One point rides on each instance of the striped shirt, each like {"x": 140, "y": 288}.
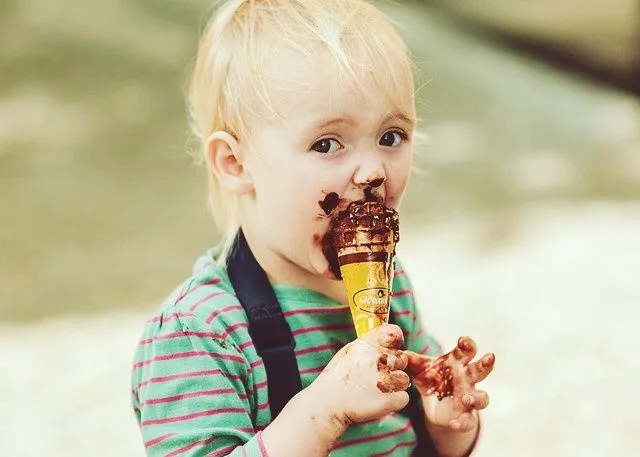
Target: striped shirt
{"x": 200, "y": 388}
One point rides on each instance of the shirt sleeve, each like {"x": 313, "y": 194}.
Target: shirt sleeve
{"x": 194, "y": 393}
{"x": 409, "y": 318}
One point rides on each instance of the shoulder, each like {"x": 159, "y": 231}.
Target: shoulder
{"x": 205, "y": 305}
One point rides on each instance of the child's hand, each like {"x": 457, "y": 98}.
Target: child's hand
{"x": 365, "y": 379}
{"x": 452, "y": 378}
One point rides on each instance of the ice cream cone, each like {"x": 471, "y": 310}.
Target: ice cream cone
{"x": 365, "y": 243}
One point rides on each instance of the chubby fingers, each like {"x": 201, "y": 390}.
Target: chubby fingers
{"x": 392, "y": 359}
{"x": 388, "y": 336}
{"x": 417, "y": 363}
{"x": 394, "y": 381}
{"x": 465, "y": 350}
{"x": 479, "y": 370}
{"x": 475, "y": 399}
{"x": 464, "y": 423}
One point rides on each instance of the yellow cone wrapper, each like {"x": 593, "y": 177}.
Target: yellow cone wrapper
{"x": 365, "y": 244}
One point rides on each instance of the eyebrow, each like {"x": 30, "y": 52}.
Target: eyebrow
{"x": 399, "y": 116}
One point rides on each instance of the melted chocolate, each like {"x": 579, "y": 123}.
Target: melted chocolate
{"x": 329, "y": 203}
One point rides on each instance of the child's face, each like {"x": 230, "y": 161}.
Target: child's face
{"x": 328, "y": 139}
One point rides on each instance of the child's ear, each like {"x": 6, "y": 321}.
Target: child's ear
{"x": 223, "y": 152}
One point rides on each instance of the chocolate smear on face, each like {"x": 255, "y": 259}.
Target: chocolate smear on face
{"x": 329, "y": 203}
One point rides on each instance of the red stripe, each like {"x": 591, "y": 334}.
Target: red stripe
{"x": 400, "y": 293}
{"x": 224, "y": 451}
{"x": 217, "y": 312}
{"x": 323, "y": 328}
{"x": 185, "y": 417}
{"x": 193, "y": 307}
{"x": 187, "y": 355}
{"x": 191, "y": 374}
{"x": 425, "y": 349}
{"x": 366, "y": 439}
{"x": 263, "y": 450}
{"x": 336, "y": 309}
{"x": 200, "y": 393}
{"x": 181, "y": 334}
{"x": 400, "y": 273}
{"x": 158, "y": 439}
{"x": 169, "y": 317}
{"x": 245, "y": 345}
{"x": 320, "y": 348}
{"x": 186, "y": 290}
{"x": 312, "y": 370}
{"x": 397, "y": 446}
{"x": 233, "y": 328}
{"x": 262, "y": 406}
{"x": 184, "y": 449}
{"x": 402, "y": 313}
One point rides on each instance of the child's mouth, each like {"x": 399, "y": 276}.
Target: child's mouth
{"x": 329, "y": 204}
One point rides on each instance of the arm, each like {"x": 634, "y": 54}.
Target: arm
{"x": 449, "y": 441}
{"x": 194, "y": 393}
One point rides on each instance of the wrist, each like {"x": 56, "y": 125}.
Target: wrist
{"x": 317, "y": 427}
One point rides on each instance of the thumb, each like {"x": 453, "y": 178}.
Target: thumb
{"x": 388, "y": 336}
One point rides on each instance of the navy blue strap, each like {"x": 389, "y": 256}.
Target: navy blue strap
{"x": 269, "y": 330}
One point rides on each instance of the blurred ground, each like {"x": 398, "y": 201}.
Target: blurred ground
{"x": 523, "y": 230}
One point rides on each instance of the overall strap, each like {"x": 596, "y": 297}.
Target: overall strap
{"x": 268, "y": 327}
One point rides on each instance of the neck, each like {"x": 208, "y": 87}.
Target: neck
{"x": 281, "y": 270}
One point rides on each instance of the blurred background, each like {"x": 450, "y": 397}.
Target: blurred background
{"x": 521, "y": 228}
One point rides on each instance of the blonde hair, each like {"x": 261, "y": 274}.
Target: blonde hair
{"x": 230, "y": 79}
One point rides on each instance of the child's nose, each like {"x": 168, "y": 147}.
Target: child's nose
{"x": 370, "y": 171}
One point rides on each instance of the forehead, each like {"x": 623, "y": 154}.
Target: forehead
{"x": 296, "y": 82}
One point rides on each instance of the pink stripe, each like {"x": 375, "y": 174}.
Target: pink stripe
{"x": 420, "y": 332}
{"x": 425, "y": 349}
{"x": 158, "y": 439}
{"x": 187, "y": 375}
{"x": 323, "y": 328}
{"x": 200, "y": 393}
{"x": 263, "y": 450}
{"x": 337, "y": 309}
{"x": 366, "y": 439}
{"x": 224, "y": 451}
{"x": 393, "y": 449}
{"x": 169, "y": 317}
{"x": 312, "y": 370}
{"x": 186, "y": 334}
{"x": 262, "y": 406}
{"x": 185, "y": 417}
{"x": 233, "y": 328}
{"x": 188, "y": 355}
{"x": 320, "y": 348}
{"x": 182, "y": 450}
{"x": 217, "y": 312}
{"x": 193, "y": 307}
{"x": 400, "y": 273}
{"x": 402, "y": 313}
{"x": 185, "y": 291}
{"x": 400, "y": 293}
{"x": 244, "y": 451}
{"x": 245, "y": 345}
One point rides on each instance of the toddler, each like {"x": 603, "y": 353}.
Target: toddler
{"x": 294, "y": 101}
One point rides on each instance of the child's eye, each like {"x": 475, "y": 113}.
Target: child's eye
{"x": 326, "y": 146}
{"x": 392, "y": 139}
